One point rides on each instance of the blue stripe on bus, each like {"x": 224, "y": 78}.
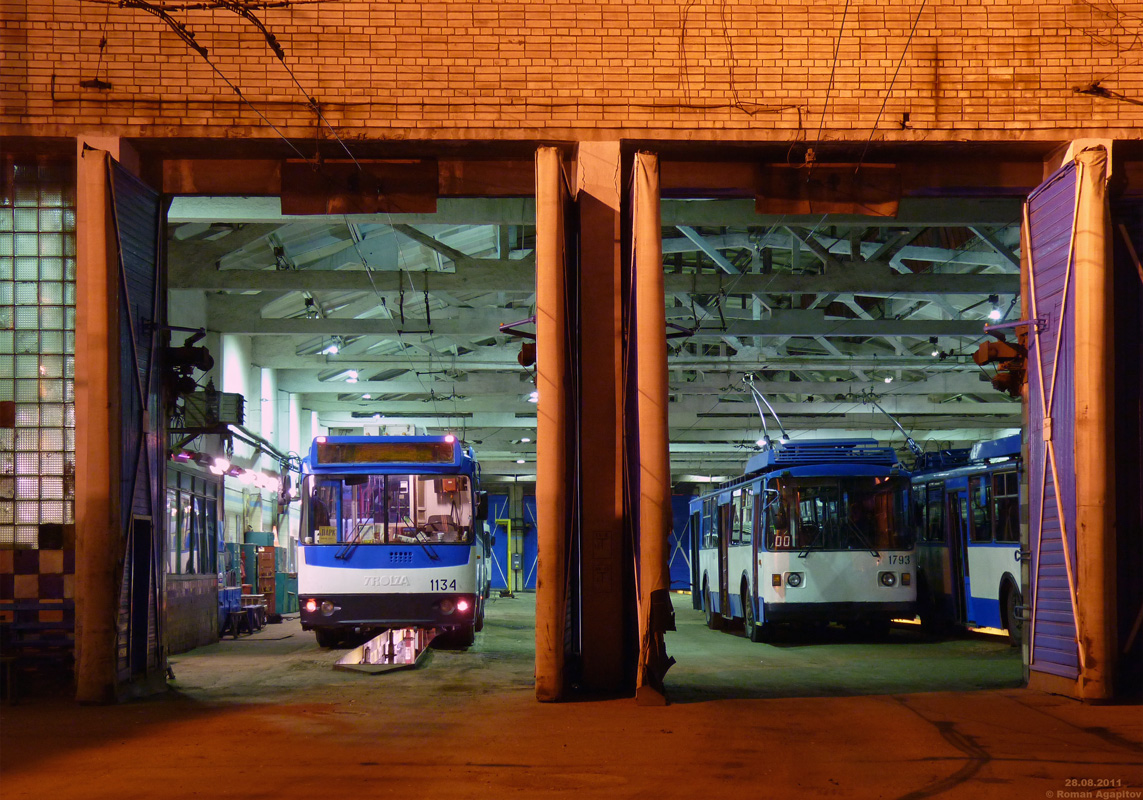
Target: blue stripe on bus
{"x": 985, "y": 612}
{"x": 372, "y": 556}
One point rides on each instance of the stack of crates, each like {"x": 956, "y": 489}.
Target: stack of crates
{"x": 267, "y": 574}
{"x": 229, "y": 602}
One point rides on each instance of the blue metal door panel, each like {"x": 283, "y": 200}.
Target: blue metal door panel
{"x": 679, "y": 547}
{"x": 1051, "y": 210}
{"x": 498, "y": 509}
{"x": 528, "y": 548}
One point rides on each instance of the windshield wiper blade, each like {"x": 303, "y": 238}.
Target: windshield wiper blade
{"x": 863, "y": 539}
{"x": 430, "y": 552}
{"x": 350, "y": 544}
{"x": 814, "y": 541}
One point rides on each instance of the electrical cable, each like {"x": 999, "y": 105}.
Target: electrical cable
{"x": 832, "y": 71}
{"x": 889, "y": 91}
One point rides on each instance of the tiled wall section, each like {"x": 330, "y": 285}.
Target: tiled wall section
{"x": 192, "y": 611}
{"x": 45, "y": 576}
{"x": 482, "y": 69}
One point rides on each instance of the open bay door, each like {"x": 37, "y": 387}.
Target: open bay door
{"x": 1070, "y": 430}
{"x": 119, "y": 425}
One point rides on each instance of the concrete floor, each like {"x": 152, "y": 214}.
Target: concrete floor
{"x": 267, "y": 716}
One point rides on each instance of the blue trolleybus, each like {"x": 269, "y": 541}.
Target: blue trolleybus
{"x": 393, "y": 536}
{"x": 814, "y": 532}
{"x": 966, "y": 508}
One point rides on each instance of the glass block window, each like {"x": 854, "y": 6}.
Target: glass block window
{"x": 37, "y": 348}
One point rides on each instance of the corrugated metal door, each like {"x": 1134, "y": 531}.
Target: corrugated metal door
{"x": 137, "y": 225}
{"x": 1050, "y": 219}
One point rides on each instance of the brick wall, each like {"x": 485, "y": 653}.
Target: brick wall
{"x": 723, "y": 69}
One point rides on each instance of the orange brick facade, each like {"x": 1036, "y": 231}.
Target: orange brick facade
{"x": 687, "y": 69}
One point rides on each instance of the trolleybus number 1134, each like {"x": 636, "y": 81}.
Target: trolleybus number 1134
{"x": 442, "y": 585}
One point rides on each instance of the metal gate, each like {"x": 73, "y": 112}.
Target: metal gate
{"x": 1050, "y": 216}
{"x": 136, "y": 219}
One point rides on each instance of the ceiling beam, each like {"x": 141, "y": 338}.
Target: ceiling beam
{"x": 933, "y": 212}
{"x": 450, "y": 211}
{"x": 812, "y": 322}
{"x": 485, "y": 275}
{"x": 703, "y": 407}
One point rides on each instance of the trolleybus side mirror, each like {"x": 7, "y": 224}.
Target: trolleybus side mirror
{"x": 482, "y": 505}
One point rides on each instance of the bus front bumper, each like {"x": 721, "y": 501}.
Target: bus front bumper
{"x": 346, "y": 611}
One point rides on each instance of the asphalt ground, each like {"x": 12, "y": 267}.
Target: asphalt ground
{"x": 822, "y": 715}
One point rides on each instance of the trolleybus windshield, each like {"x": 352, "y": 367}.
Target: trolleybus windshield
{"x": 855, "y": 513}
{"x": 389, "y": 509}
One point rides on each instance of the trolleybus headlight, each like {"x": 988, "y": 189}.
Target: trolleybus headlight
{"x": 887, "y": 578}
{"x": 906, "y": 578}
{"x": 327, "y": 608}
{"x": 311, "y": 605}
{"x": 447, "y": 606}
{"x": 793, "y": 579}
{"x": 462, "y": 606}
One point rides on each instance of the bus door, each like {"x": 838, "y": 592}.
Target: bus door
{"x": 696, "y": 569}
{"x": 957, "y": 511}
{"x": 723, "y": 573}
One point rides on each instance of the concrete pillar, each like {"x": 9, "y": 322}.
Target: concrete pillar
{"x": 602, "y": 567}
{"x": 552, "y": 478}
{"x": 1094, "y": 428}
{"x": 99, "y": 540}
{"x": 652, "y": 458}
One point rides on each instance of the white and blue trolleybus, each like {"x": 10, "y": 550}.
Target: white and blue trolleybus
{"x": 966, "y": 508}
{"x": 814, "y": 532}
{"x": 393, "y": 536}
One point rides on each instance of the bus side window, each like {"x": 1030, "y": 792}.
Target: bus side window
{"x": 936, "y": 513}
{"x": 1006, "y": 506}
{"x": 708, "y": 534}
{"x": 918, "y": 511}
{"x": 747, "y": 514}
{"x": 736, "y": 518}
{"x": 979, "y": 506}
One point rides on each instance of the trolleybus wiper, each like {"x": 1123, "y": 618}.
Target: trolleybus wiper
{"x": 863, "y": 539}
{"x": 810, "y": 546}
{"x": 351, "y": 543}
{"x": 431, "y": 553}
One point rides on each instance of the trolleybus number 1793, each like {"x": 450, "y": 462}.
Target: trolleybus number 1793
{"x": 902, "y": 560}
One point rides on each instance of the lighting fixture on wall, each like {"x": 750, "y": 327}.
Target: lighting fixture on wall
{"x": 995, "y": 313}
{"x": 936, "y": 350}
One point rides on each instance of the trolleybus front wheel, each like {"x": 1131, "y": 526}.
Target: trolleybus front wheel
{"x": 713, "y": 620}
{"x": 754, "y": 630}
{"x": 327, "y": 637}
{"x": 463, "y": 636}
{"x": 1012, "y": 622}
{"x": 478, "y": 622}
